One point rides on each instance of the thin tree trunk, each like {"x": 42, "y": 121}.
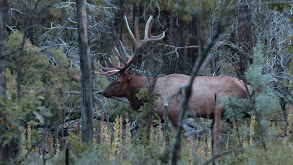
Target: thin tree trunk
{"x": 118, "y": 23}
{"x": 150, "y": 107}
{"x": 216, "y": 129}
{"x": 86, "y": 76}
{"x": 20, "y": 62}
{"x": 215, "y": 60}
{"x": 3, "y": 13}
{"x": 193, "y": 39}
{"x": 244, "y": 31}
{"x": 176, "y": 38}
{"x": 4, "y": 148}
{"x": 166, "y": 135}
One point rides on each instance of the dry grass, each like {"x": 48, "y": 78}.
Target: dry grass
{"x": 114, "y": 144}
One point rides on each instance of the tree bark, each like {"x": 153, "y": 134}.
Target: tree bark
{"x": 118, "y": 19}
{"x": 4, "y": 148}
{"x": 244, "y": 32}
{"x": 3, "y": 13}
{"x": 150, "y": 107}
{"x": 86, "y": 77}
{"x": 216, "y": 129}
{"x": 166, "y": 135}
{"x": 176, "y": 38}
{"x": 193, "y": 39}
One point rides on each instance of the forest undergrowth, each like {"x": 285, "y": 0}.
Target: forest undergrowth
{"x": 114, "y": 143}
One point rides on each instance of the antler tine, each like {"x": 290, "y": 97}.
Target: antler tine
{"x": 124, "y": 51}
{"x": 105, "y": 68}
{"x": 136, "y": 31}
{"x": 110, "y": 71}
{"x": 118, "y": 66}
{"x": 147, "y": 32}
{"x": 119, "y": 56}
{"x": 137, "y": 42}
{"x": 129, "y": 30}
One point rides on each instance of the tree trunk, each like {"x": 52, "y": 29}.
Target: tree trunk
{"x": 215, "y": 65}
{"x": 166, "y": 136}
{"x": 244, "y": 31}
{"x": 4, "y": 148}
{"x": 3, "y": 12}
{"x": 216, "y": 129}
{"x": 118, "y": 19}
{"x": 176, "y": 38}
{"x": 86, "y": 77}
{"x": 193, "y": 39}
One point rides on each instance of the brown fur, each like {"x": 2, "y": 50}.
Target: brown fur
{"x": 202, "y": 100}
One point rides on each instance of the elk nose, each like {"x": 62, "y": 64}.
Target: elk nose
{"x": 106, "y": 94}
{"x": 101, "y": 92}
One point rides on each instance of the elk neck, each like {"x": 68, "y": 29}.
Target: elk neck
{"x": 137, "y": 83}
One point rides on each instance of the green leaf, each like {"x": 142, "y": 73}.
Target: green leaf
{"x": 39, "y": 117}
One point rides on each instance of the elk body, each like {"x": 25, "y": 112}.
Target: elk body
{"x": 202, "y": 101}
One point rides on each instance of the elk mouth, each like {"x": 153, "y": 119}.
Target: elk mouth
{"x": 106, "y": 94}
{"x": 100, "y": 93}
{"x": 103, "y": 93}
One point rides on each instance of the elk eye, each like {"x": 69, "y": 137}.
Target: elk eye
{"x": 118, "y": 82}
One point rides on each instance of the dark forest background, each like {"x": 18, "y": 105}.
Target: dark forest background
{"x": 41, "y": 85}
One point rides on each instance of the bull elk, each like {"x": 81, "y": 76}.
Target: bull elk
{"x": 201, "y": 103}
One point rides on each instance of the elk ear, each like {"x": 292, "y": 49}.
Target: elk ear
{"x": 130, "y": 71}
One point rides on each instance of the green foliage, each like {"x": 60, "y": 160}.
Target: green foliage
{"x": 43, "y": 87}
{"x": 236, "y": 108}
{"x": 254, "y": 73}
{"x": 184, "y": 8}
{"x": 264, "y": 102}
{"x": 279, "y": 7}
{"x": 47, "y": 78}
{"x": 144, "y": 95}
{"x": 138, "y": 154}
{"x": 277, "y": 152}
{"x": 289, "y": 41}
{"x": 60, "y": 58}
{"x": 17, "y": 113}
{"x": 97, "y": 153}
{"x": 55, "y": 12}
{"x": 36, "y": 66}
{"x": 50, "y": 80}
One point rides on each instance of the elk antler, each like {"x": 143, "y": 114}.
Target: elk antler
{"x": 138, "y": 44}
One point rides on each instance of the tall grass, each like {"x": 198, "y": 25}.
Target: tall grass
{"x": 114, "y": 144}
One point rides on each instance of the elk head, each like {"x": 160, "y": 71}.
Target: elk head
{"x": 121, "y": 86}
{"x": 128, "y": 84}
